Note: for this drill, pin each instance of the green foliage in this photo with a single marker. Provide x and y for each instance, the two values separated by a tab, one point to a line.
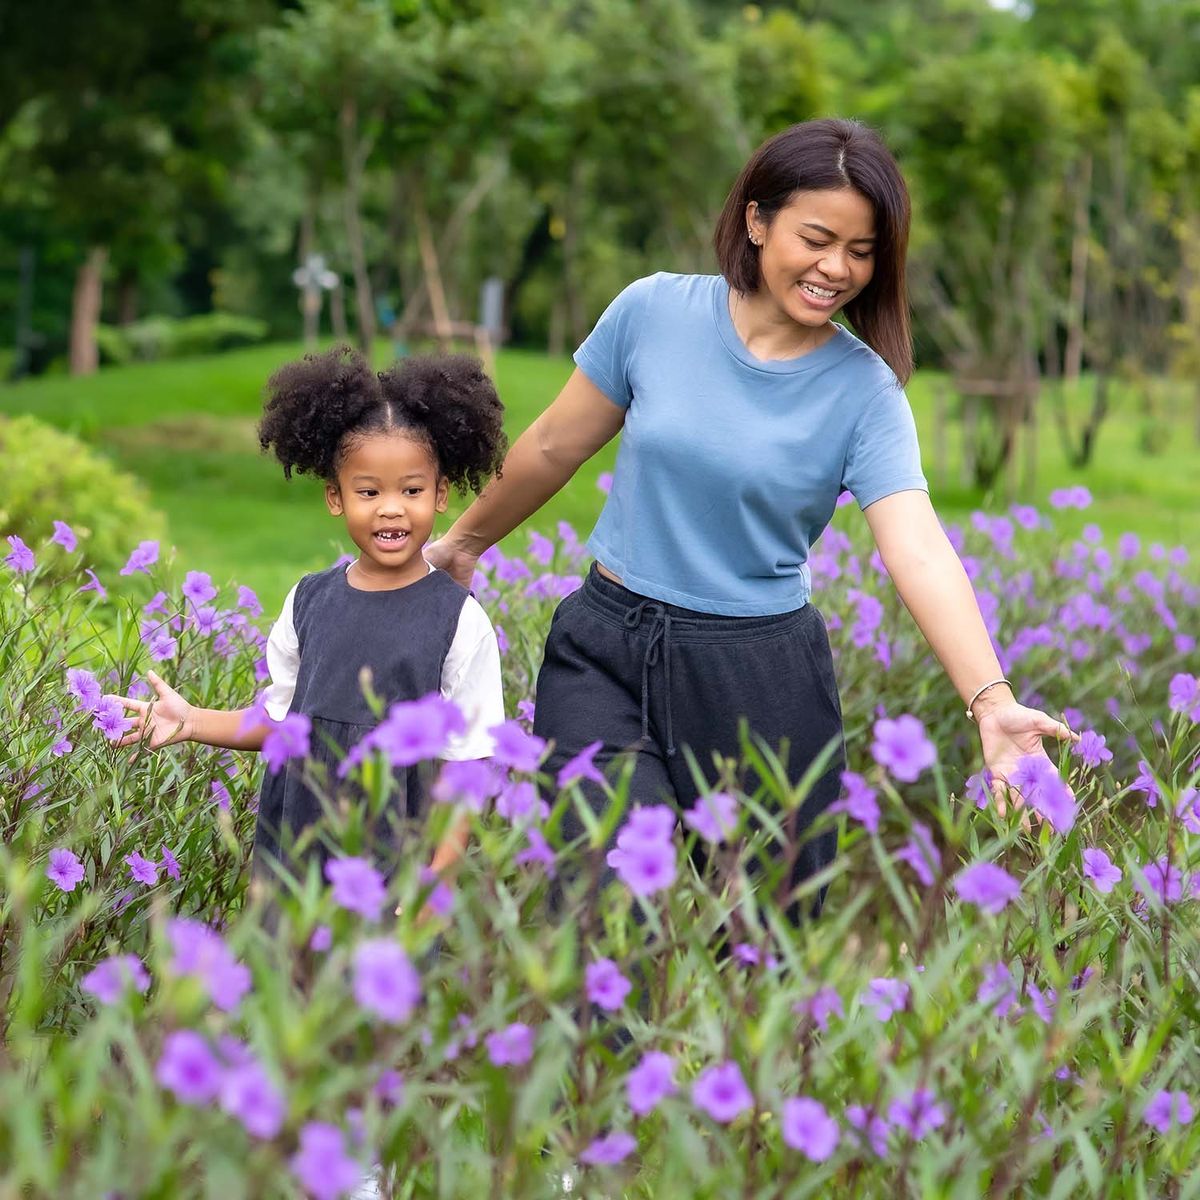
178	337
49	474
1043	1093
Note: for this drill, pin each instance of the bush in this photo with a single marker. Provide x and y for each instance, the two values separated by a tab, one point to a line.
170	337
49	475
935	1032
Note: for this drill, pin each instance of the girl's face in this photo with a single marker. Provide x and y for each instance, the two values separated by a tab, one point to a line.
389	490
817	254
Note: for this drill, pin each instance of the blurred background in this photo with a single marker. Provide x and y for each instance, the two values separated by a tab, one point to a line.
192	191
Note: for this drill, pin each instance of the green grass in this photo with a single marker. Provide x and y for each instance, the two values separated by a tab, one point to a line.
186	427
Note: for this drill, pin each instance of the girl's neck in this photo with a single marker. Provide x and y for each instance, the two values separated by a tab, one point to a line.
363	579
767	332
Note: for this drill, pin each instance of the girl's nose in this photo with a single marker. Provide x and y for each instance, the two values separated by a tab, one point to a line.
833	264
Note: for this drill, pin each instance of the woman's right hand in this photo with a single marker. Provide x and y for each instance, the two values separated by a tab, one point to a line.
159	722
459	564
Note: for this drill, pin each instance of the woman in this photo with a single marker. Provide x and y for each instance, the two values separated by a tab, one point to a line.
745	411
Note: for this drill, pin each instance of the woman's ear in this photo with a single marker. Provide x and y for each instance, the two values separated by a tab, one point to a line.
333	499
443	494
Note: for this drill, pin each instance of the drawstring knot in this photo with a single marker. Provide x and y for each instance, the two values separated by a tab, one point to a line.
660	636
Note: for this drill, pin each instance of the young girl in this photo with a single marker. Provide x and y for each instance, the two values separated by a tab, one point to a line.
388	447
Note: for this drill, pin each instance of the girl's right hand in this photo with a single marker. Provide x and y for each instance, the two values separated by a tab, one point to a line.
163	721
459	564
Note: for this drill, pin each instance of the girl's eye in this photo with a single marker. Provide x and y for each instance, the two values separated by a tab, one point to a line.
815	245
413	491
368	493
860	254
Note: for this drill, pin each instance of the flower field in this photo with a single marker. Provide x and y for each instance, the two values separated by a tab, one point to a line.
987	1005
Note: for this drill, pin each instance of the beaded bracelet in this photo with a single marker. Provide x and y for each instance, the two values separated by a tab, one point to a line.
971	702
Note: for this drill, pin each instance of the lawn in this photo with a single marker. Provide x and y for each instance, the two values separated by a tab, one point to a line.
186	427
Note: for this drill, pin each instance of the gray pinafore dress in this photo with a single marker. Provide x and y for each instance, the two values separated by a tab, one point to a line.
402	637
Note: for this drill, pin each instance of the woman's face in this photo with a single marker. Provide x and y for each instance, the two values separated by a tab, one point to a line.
817	254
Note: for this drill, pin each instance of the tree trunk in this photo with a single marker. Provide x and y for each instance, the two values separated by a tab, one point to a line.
127	296
432	268
352	165
85	311
310	296
1077	299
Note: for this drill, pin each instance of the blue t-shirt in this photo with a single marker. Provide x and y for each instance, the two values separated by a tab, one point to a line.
730	467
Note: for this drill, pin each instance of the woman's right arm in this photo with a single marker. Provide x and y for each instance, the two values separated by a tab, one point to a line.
579	421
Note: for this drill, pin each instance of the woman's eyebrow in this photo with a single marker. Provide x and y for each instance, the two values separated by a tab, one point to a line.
830	234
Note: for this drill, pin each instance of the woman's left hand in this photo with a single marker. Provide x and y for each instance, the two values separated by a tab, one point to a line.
1010	732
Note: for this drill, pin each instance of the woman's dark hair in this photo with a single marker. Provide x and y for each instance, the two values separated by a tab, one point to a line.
819	156
316	407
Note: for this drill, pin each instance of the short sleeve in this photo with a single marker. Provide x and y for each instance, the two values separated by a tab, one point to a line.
607	351
471	679
283	661
884	456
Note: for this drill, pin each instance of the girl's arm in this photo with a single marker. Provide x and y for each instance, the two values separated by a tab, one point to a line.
169	718
579	421
935	589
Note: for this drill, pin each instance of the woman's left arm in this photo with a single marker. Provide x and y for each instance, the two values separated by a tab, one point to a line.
935	589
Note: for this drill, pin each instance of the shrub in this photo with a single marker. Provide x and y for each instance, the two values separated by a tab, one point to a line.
981	1009
49	475
178	337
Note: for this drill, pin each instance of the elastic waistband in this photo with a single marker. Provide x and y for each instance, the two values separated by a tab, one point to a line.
614	601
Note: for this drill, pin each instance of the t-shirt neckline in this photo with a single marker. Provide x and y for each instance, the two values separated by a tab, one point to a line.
383	591
832	348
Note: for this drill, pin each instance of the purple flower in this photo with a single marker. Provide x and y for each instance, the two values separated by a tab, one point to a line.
188	1068
1183	695
110	719
85	687
722	1092
198	587
1098	868
220	794
519	799
581	767
606	986
389	1087
807	1127
1164	880
1188	809
511	1046
321	940
859	801
609	1150
471	782
515	748
1072	497
541	548
987	885
287	739
885	996
820	1006
64	536
1042	1003
644	860
1145	782
917	1113
1038	781
142	869
357	886
873	1128
413	731
110	977
998	989
170	863
202	952
979	788
604	481
322	1164
144	556
1168	1110
920	853
713	817
94	584
20	558
249	601
902	747
64	869
248	1094
1091	748
538	850
385	982
650	1082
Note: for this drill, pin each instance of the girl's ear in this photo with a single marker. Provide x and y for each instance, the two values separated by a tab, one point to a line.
333	499
443	494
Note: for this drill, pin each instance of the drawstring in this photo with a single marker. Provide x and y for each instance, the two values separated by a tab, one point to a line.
660	634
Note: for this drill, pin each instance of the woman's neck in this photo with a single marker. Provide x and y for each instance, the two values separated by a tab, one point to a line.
770	334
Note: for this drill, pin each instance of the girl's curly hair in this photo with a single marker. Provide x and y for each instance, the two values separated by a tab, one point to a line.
318	406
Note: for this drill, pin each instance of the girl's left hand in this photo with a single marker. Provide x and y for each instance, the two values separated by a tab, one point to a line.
1010	732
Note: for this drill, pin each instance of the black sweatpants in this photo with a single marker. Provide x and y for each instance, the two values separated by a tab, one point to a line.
649	678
